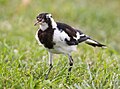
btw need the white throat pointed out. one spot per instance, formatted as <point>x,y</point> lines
<point>43,26</point>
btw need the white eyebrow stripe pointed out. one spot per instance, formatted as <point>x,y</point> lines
<point>48,15</point>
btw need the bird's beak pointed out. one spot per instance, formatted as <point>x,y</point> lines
<point>36,23</point>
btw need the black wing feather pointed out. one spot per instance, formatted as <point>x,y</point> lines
<point>71,33</point>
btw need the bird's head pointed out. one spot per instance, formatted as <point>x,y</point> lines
<point>45,20</point>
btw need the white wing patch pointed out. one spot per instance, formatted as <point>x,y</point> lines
<point>60,43</point>
<point>60,36</point>
<point>82,35</point>
<point>78,36</point>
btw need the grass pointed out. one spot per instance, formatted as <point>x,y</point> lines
<point>23,63</point>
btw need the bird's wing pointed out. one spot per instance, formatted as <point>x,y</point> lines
<point>76,36</point>
<point>67,29</point>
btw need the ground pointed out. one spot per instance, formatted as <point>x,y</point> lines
<point>23,63</point>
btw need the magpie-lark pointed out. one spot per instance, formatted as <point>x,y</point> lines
<point>60,38</point>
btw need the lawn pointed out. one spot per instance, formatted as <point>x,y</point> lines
<point>23,63</point>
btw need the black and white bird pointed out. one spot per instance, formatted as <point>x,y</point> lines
<point>60,38</point>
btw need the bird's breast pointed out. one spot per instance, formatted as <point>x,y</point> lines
<point>45,38</point>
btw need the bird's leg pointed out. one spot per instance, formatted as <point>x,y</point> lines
<point>70,63</point>
<point>50,63</point>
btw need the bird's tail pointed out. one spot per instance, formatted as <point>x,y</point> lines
<point>94,43</point>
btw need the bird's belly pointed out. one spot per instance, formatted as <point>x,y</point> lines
<point>62,49</point>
